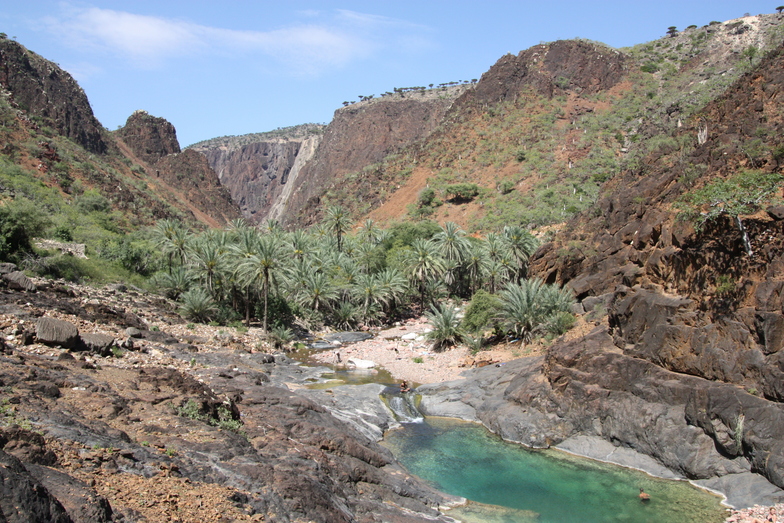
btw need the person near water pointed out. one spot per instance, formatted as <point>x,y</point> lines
<point>404,386</point>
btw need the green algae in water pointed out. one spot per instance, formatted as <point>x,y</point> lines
<point>465,459</point>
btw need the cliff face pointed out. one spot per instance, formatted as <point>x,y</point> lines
<point>258,174</point>
<point>699,310</point>
<point>360,135</point>
<point>42,89</point>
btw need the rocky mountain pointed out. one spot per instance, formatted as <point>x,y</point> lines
<point>684,362</point>
<point>185,177</point>
<point>51,133</point>
<point>40,89</point>
<point>541,130</point>
<point>283,175</point>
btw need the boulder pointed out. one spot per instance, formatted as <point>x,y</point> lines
<point>18,281</point>
<point>23,498</point>
<point>97,342</point>
<point>5,268</point>
<point>133,332</point>
<point>58,333</point>
<point>361,364</point>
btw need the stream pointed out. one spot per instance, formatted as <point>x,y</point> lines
<point>509,483</point>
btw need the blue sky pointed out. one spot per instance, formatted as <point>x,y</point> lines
<point>234,67</point>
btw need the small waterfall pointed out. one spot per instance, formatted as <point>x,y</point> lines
<point>403,406</point>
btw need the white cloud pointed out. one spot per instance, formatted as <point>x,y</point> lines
<point>328,41</point>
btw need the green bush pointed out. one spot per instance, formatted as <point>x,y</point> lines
<point>740,194</point>
<point>80,270</point>
<point>461,192</point>
<point>20,221</point>
<point>482,312</point>
<point>92,201</point>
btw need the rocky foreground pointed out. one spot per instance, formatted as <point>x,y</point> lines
<point>106,416</point>
<point>112,408</point>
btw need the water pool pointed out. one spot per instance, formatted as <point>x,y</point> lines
<point>547,486</point>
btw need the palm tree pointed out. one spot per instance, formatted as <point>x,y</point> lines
<point>496,274</point>
<point>394,286</point>
<point>242,247</point>
<point>299,243</point>
<point>317,291</point>
<point>197,305</point>
<point>423,263</point>
<point>367,256</point>
<point>237,224</point>
<point>453,248</point>
<point>476,264</point>
<point>261,268</point>
<point>528,306</point>
<point>207,257</point>
<point>370,232</point>
<point>172,238</point>
<point>495,246</point>
<point>370,292</point>
<point>522,245</point>
<point>446,327</point>
<point>338,222</point>
<point>174,283</point>
<point>452,243</point>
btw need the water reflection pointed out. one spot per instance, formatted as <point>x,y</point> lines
<point>465,459</point>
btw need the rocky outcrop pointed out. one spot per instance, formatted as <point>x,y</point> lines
<point>686,371</point>
<point>215,430</point>
<point>42,89</point>
<point>149,137</point>
<point>186,177</point>
<point>545,69</point>
<point>588,388</point>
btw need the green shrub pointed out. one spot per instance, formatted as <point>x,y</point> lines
<point>461,192</point>
<point>740,194</point>
<point>77,270</point>
<point>92,201</point>
<point>482,311</point>
<point>505,186</point>
<point>20,221</point>
<point>426,197</point>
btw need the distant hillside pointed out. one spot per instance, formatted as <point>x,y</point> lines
<point>536,137</point>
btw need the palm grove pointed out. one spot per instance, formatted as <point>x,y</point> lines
<point>330,276</point>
